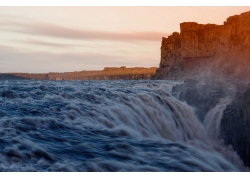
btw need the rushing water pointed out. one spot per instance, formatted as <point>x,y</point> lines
<point>102,126</point>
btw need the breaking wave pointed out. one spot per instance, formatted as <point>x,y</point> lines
<point>103,126</point>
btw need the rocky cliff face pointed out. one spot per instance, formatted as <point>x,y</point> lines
<point>217,59</point>
<point>207,51</point>
<point>226,121</point>
<point>235,125</point>
<point>108,73</point>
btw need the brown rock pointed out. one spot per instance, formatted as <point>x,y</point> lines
<point>206,51</point>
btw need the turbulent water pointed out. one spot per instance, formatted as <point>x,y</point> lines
<point>102,126</point>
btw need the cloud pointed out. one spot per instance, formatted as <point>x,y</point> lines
<point>51,30</point>
<point>18,60</point>
<point>51,44</point>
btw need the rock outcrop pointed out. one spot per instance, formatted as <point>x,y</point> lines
<point>235,125</point>
<point>217,59</point>
<point>108,73</point>
<point>202,96</point>
<point>207,51</point>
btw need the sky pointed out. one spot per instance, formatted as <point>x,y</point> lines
<point>63,39</point>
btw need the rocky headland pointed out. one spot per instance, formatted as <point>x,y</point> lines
<point>213,61</point>
<point>207,51</point>
<point>108,73</point>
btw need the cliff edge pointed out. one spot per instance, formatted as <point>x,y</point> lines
<point>207,51</point>
<point>108,73</point>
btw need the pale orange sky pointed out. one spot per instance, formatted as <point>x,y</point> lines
<point>46,39</point>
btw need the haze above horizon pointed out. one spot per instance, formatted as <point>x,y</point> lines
<point>64,39</point>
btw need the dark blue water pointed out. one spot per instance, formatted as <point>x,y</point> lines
<point>102,126</point>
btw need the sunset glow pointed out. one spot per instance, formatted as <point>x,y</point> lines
<point>61,39</point>
<point>121,86</point>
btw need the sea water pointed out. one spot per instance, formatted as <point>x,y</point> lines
<point>103,126</point>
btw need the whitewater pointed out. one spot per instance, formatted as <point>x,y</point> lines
<point>107,126</point>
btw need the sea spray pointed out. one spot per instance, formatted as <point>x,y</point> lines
<point>213,118</point>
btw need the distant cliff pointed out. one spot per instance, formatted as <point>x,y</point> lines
<point>207,51</point>
<point>108,73</point>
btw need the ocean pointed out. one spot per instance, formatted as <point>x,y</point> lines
<point>105,126</point>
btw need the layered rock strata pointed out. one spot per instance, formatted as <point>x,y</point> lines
<point>207,51</point>
<point>217,59</point>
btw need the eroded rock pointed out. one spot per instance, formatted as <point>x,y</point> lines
<point>207,51</point>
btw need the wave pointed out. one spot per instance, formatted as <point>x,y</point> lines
<point>102,126</point>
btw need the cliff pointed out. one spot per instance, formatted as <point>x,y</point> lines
<point>214,62</point>
<point>223,109</point>
<point>207,51</point>
<point>235,125</point>
<point>108,73</point>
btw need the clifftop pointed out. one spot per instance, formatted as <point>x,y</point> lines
<point>108,73</point>
<point>207,50</point>
<point>193,26</point>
